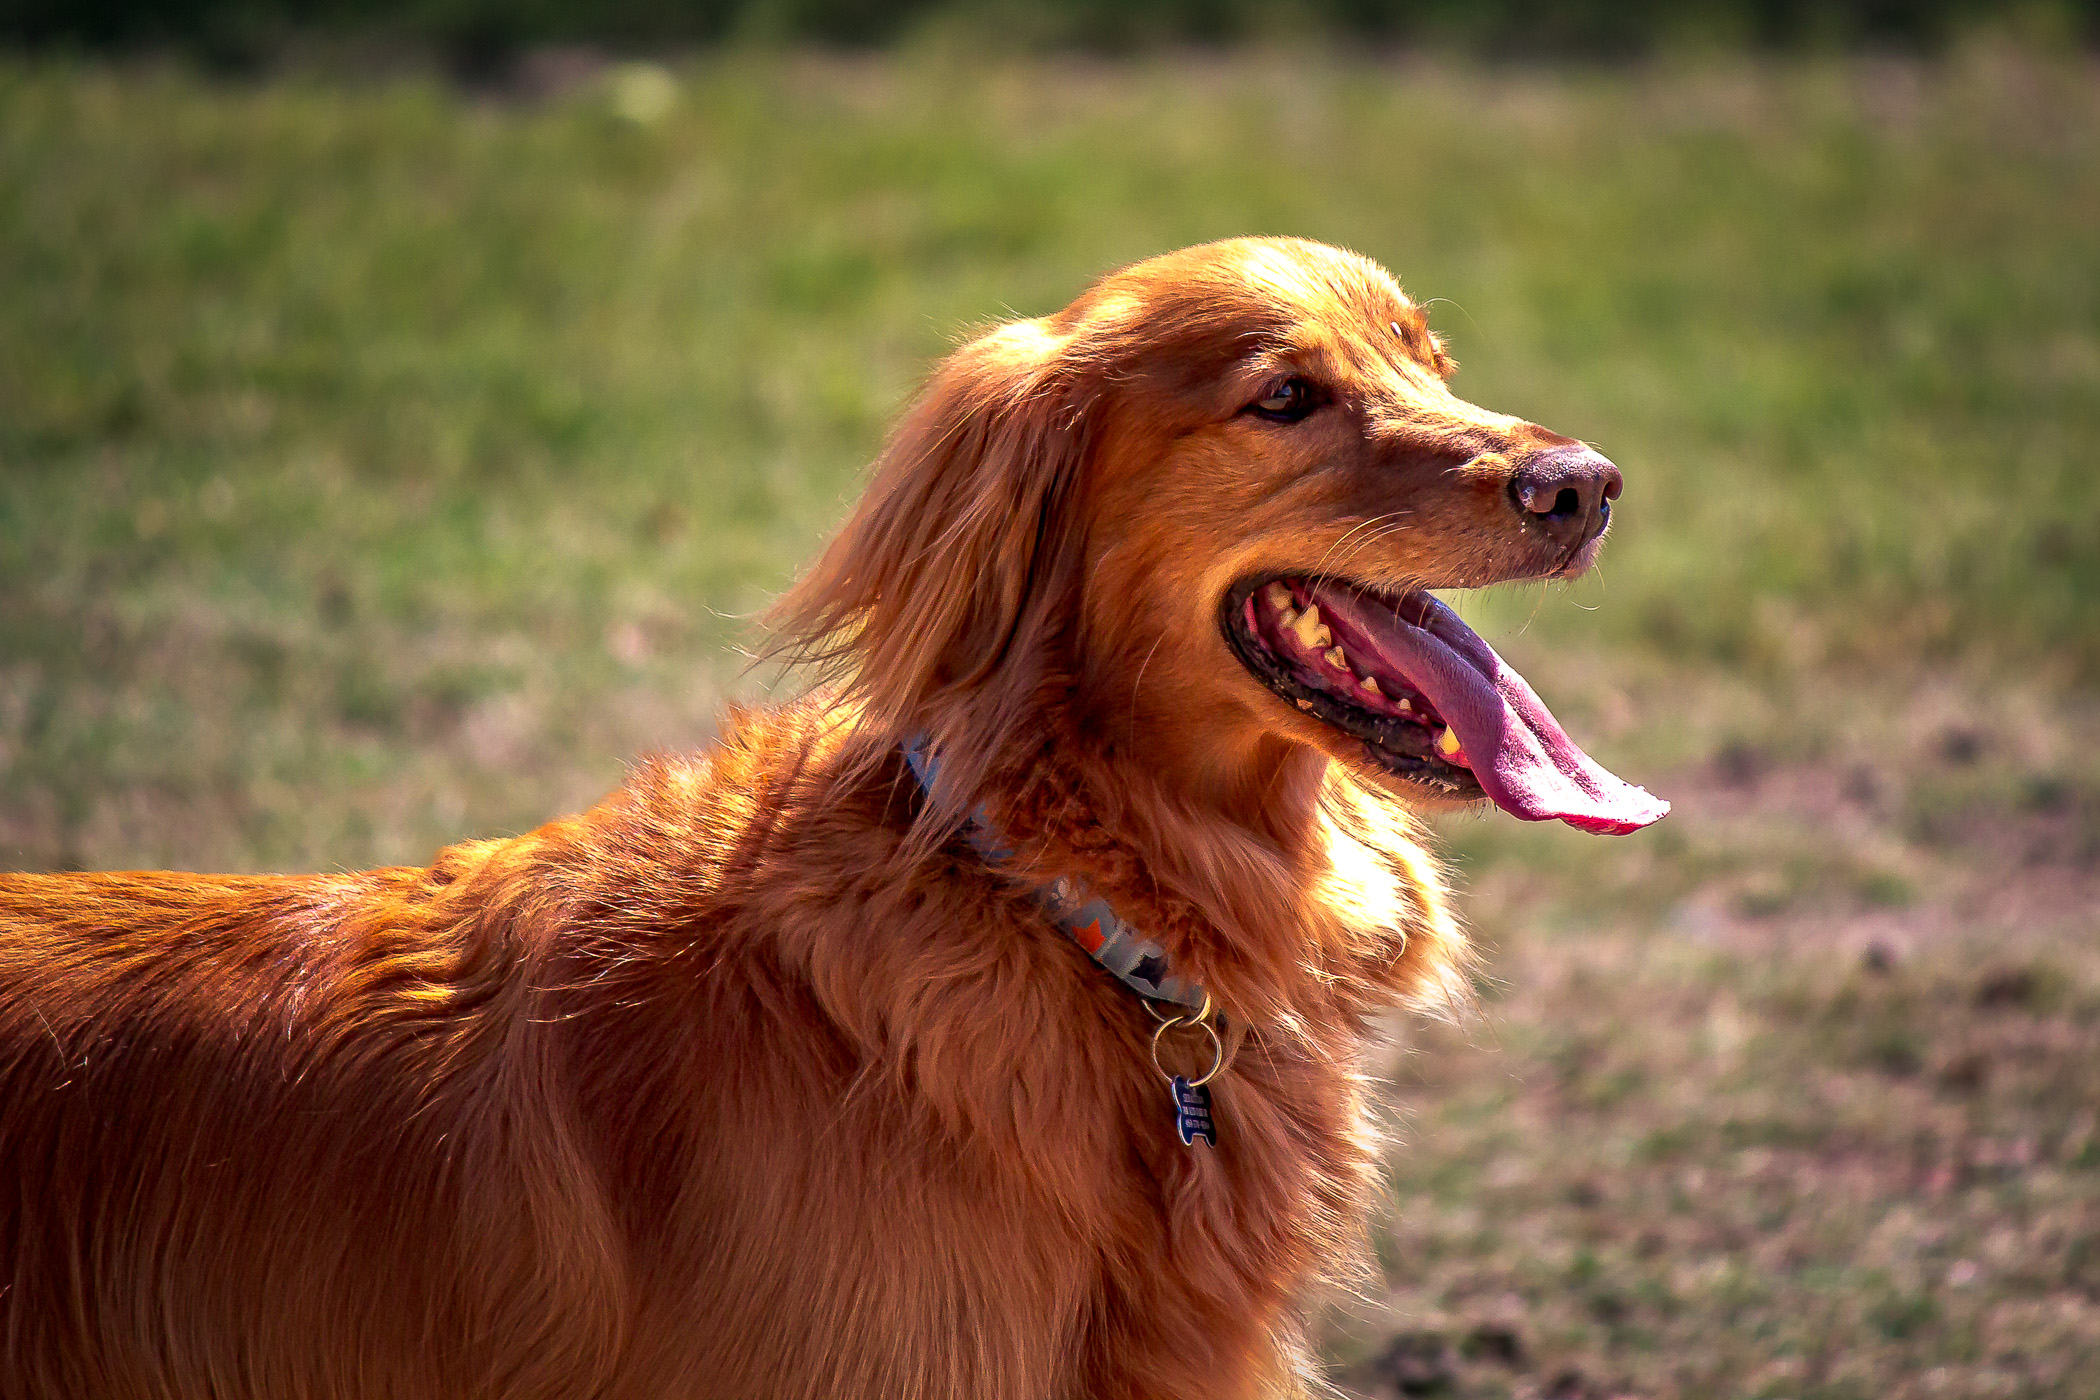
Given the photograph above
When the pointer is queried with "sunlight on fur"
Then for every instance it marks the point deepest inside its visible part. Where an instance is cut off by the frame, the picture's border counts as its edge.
(759, 1079)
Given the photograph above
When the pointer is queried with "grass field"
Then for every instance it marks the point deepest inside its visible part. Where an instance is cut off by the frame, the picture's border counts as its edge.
(381, 464)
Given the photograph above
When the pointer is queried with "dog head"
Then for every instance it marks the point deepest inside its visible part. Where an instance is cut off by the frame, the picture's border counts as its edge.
(1204, 505)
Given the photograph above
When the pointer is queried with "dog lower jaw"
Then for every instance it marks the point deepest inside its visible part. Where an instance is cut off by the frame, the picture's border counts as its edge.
(1443, 784)
(1401, 747)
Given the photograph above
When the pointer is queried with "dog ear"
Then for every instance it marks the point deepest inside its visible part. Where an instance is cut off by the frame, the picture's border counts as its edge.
(941, 599)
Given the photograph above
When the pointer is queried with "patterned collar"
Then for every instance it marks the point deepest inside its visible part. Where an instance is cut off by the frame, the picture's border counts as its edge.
(1135, 960)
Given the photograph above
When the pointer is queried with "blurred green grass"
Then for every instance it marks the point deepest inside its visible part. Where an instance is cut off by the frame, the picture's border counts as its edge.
(383, 463)
(379, 460)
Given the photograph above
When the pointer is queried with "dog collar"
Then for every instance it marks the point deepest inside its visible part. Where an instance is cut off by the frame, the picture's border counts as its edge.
(1133, 959)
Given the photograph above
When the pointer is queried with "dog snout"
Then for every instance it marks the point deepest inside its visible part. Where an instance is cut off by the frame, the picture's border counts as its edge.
(1567, 493)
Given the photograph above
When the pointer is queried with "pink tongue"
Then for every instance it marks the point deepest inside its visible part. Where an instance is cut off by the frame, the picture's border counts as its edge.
(1525, 762)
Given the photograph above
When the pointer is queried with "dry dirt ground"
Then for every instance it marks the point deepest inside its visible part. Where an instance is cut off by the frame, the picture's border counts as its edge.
(1798, 1098)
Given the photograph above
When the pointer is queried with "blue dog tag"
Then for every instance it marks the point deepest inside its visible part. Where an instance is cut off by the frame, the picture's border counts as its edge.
(1192, 1113)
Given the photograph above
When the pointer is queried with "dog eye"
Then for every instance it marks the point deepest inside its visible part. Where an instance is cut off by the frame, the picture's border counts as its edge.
(1287, 402)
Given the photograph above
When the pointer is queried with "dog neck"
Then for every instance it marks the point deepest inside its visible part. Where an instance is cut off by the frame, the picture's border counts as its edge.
(1120, 948)
(1298, 885)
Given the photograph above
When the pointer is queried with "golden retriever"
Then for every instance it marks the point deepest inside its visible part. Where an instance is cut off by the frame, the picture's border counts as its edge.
(785, 1070)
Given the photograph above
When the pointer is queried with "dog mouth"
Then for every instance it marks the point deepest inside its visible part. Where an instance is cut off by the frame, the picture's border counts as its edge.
(1432, 703)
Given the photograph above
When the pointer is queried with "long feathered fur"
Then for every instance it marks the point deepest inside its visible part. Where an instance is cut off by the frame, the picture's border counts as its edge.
(754, 1080)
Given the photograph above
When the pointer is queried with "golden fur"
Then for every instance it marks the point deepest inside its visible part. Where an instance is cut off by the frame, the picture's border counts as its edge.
(754, 1080)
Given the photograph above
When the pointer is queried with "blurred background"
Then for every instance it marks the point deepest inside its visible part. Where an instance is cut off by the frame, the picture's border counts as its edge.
(404, 408)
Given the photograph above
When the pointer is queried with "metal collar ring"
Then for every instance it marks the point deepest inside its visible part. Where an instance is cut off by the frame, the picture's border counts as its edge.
(1217, 1048)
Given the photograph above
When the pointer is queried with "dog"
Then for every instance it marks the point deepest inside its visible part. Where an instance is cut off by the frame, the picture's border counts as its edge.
(992, 1021)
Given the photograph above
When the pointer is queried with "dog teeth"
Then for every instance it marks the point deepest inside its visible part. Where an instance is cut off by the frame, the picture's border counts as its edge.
(1406, 708)
(1312, 633)
(1305, 705)
(1369, 686)
(1278, 596)
(1336, 659)
(1447, 743)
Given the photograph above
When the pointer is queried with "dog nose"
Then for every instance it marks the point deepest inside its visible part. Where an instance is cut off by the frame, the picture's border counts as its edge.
(1567, 493)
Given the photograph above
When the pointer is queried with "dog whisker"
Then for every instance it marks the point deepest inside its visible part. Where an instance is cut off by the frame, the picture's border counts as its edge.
(1321, 567)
